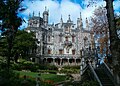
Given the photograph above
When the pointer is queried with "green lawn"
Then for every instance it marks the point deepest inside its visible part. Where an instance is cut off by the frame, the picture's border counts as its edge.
(55, 78)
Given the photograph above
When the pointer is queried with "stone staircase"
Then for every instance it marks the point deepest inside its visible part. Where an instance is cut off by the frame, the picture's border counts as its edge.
(103, 76)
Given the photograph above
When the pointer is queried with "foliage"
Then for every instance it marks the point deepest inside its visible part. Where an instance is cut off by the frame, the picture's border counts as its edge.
(11, 79)
(10, 21)
(99, 25)
(71, 67)
(117, 21)
(45, 79)
(31, 66)
(24, 43)
(9, 14)
(26, 65)
(99, 20)
(90, 83)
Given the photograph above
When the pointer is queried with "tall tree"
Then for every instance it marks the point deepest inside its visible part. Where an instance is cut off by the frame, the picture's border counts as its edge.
(9, 10)
(114, 40)
(25, 44)
(99, 25)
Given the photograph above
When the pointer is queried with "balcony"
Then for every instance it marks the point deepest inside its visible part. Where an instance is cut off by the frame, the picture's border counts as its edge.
(63, 56)
(68, 43)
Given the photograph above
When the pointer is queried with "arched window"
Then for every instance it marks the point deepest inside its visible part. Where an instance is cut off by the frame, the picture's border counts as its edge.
(49, 51)
(60, 51)
(48, 38)
(73, 52)
(73, 38)
(66, 38)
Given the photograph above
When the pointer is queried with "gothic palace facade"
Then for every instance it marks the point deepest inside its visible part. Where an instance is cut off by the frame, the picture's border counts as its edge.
(61, 43)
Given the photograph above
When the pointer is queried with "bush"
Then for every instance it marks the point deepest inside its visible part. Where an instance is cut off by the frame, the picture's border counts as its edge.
(90, 83)
(69, 71)
(33, 67)
(71, 67)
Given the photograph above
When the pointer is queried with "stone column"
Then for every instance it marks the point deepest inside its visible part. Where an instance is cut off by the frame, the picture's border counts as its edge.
(75, 61)
(54, 61)
(60, 61)
(68, 61)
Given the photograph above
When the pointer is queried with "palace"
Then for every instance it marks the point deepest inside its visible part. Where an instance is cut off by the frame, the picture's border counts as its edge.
(61, 43)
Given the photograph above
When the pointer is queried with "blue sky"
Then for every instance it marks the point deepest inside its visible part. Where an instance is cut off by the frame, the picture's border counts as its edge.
(63, 7)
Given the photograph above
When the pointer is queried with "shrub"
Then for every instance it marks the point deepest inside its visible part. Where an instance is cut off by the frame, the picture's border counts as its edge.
(90, 83)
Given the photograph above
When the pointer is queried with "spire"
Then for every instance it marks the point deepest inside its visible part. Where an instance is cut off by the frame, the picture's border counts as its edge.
(86, 20)
(79, 22)
(45, 8)
(29, 15)
(39, 13)
(80, 16)
(61, 20)
(46, 11)
(69, 17)
(33, 13)
(45, 16)
(69, 20)
(87, 26)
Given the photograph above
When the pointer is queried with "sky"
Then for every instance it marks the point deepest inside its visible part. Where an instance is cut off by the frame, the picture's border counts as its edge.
(63, 7)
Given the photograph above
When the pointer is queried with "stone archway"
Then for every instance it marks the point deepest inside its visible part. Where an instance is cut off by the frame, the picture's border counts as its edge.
(57, 61)
(71, 60)
(78, 61)
(49, 60)
(64, 61)
(44, 60)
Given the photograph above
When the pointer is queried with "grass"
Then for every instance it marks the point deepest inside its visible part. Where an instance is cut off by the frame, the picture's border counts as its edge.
(53, 77)
(31, 74)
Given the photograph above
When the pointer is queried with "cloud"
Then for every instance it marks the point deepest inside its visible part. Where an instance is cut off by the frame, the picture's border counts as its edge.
(56, 9)
(116, 4)
(64, 7)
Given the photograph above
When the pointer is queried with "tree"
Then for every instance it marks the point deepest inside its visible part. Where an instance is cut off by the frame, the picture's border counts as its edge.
(24, 44)
(9, 10)
(114, 40)
(117, 21)
(99, 25)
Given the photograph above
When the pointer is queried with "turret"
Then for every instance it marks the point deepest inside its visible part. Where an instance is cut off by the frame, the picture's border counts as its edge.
(29, 15)
(87, 25)
(33, 14)
(39, 14)
(61, 21)
(45, 17)
(69, 20)
(79, 22)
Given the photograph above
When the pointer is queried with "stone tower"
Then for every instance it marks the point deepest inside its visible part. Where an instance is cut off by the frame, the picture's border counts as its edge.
(79, 22)
(45, 17)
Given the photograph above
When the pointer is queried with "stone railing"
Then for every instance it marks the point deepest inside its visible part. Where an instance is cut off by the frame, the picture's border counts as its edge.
(63, 55)
(108, 71)
(94, 74)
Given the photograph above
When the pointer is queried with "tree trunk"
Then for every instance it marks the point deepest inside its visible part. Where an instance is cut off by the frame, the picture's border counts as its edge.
(114, 40)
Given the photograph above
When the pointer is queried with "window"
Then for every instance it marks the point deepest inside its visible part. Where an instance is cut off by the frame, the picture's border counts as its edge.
(73, 38)
(73, 52)
(60, 51)
(66, 38)
(48, 38)
(49, 51)
(60, 38)
(66, 29)
(50, 29)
